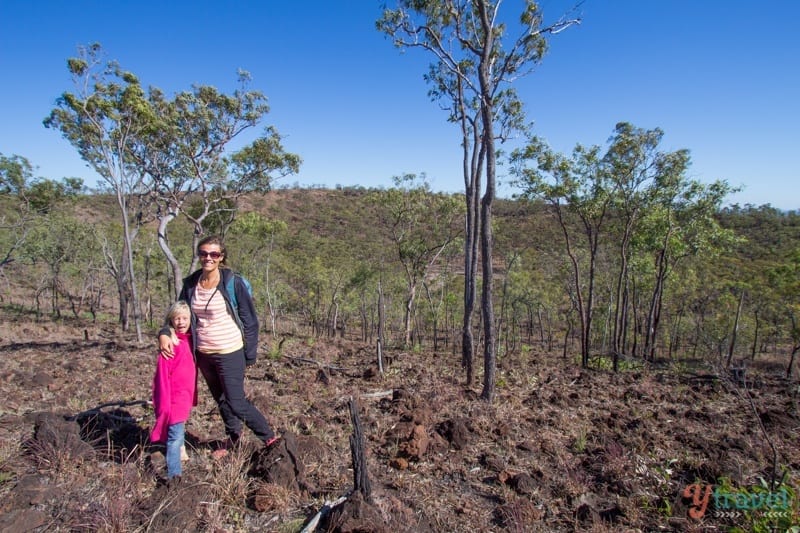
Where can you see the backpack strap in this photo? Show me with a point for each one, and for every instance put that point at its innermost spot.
(231, 289)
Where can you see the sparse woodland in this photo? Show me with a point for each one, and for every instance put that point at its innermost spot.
(318, 259)
(565, 446)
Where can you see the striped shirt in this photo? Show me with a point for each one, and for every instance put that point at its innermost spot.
(217, 333)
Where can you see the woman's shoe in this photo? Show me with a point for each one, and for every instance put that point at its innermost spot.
(229, 444)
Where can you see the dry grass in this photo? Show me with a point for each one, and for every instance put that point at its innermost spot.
(117, 498)
(59, 461)
(230, 484)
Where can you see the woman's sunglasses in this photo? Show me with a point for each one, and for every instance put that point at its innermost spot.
(213, 255)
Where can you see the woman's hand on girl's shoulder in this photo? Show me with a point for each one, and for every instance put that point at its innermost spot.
(165, 347)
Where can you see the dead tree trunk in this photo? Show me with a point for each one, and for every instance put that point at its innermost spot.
(360, 476)
(732, 345)
(381, 320)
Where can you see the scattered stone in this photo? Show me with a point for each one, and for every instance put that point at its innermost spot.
(416, 445)
(281, 465)
(22, 520)
(492, 462)
(518, 515)
(526, 446)
(158, 462)
(523, 484)
(41, 379)
(355, 516)
(30, 490)
(456, 433)
(399, 463)
(54, 435)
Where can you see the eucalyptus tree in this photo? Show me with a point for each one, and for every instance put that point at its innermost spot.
(636, 170)
(188, 159)
(211, 120)
(653, 198)
(768, 237)
(64, 245)
(421, 225)
(513, 256)
(680, 223)
(439, 295)
(474, 67)
(16, 173)
(576, 187)
(15, 222)
(644, 194)
(28, 198)
(102, 119)
(256, 249)
(785, 279)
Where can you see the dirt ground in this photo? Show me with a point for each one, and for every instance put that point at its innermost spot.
(560, 448)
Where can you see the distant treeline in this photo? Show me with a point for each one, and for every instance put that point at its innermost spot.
(318, 259)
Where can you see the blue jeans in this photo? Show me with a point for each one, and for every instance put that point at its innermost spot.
(175, 434)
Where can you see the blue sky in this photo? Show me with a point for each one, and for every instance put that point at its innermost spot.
(721, 78)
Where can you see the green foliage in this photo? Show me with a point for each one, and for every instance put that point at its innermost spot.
(312, 255)
(580, 441)
(37, 195)
(15, 174)
(606, 362)
(68, 250)
(275, 350)
(629, 217)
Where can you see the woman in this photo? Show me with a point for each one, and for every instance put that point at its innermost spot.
(224, 340)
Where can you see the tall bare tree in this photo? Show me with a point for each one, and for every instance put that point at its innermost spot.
(475, 65)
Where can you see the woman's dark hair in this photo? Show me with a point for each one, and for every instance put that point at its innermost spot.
(215, 239)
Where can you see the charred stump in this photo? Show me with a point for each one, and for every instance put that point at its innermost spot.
(357, 445)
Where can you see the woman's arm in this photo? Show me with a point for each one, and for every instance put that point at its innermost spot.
(165, 346)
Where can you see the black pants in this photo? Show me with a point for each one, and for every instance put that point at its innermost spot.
(224, 375)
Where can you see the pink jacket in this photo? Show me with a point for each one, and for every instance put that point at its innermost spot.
(174, 388)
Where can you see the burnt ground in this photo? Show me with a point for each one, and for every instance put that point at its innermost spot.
(560, 448)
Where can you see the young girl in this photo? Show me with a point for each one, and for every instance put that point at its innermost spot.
(174, 387)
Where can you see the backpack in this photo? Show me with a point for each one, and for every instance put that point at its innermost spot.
(232, 291)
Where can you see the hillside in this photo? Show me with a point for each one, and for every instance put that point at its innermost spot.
(561, 448)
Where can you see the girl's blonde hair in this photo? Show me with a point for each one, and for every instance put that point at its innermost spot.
(178, 308)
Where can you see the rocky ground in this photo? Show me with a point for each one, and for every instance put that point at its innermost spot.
(560, 448)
